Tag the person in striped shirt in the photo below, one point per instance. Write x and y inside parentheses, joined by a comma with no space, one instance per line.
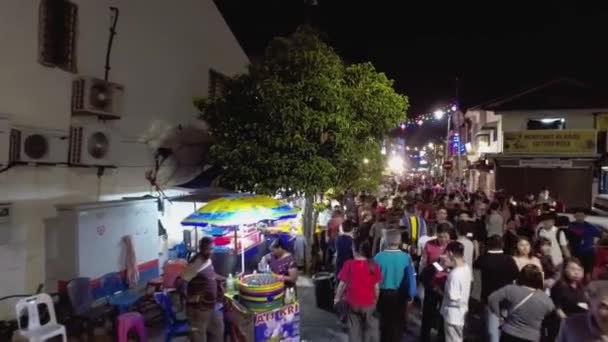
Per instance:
(416,226)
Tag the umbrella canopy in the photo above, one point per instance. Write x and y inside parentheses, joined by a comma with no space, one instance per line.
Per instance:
(241,209)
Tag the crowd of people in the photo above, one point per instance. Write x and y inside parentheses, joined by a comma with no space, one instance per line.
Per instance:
(543,276)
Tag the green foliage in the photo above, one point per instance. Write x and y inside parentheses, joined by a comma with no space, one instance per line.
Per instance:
(302,121)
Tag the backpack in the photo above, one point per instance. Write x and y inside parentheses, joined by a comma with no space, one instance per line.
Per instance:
(563,229)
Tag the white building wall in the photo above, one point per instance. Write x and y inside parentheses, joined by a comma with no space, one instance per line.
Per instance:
(162,54)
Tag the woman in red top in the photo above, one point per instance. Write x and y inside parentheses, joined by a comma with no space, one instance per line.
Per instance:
(359,284)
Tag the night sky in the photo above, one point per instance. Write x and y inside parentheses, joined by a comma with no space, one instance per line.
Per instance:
(491,48)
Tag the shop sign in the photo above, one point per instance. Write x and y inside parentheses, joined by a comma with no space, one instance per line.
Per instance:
(551,141)
(545,163)
(281,324)
(601,121)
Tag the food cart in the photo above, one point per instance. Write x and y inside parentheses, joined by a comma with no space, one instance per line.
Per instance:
(261,299)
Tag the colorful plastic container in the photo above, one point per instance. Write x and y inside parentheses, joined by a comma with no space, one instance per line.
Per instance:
(261,292)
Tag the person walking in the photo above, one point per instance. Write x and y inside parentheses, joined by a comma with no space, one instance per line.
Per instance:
(456,292)
(432,277)
(527,306)
(495,222)
(568,295)
(465,238)
(397,288)
(344,244)
(199,284)
(378,232)
(491,279)
(523,254)
(359,286)
(590,326)
(584,237)
(559,243)
(415,224)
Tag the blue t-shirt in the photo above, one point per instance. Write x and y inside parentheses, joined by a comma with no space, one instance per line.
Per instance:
(344,251)
(394,266)
(584,232)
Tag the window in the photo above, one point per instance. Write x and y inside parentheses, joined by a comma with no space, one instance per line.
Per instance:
(483,141)
(57,34)
(217,83)
(546,123)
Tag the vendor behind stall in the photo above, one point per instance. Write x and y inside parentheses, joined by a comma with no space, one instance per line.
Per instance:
(199,284)
(282,262)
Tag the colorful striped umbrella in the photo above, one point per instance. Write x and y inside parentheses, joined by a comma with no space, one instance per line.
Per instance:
(240,209)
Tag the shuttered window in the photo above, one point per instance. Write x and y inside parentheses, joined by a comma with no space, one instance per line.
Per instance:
(57,34)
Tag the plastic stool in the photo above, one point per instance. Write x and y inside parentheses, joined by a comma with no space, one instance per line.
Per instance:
(128,321)
(156,285)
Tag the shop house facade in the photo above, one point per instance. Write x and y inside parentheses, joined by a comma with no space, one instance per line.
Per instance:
(161,58)
(546,136)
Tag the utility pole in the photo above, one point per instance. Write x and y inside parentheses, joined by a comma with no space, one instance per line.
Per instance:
(458,115)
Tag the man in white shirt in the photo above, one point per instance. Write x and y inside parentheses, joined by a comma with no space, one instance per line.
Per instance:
(456,294)
(469,247)
(559,243)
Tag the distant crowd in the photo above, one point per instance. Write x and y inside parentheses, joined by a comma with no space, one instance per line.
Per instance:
(543,276)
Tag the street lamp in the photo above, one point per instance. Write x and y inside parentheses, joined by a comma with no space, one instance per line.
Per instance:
(396,164)
(439,114)
(365,161)
(431,145)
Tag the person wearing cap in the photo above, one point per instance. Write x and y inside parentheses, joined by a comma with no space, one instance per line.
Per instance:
(590,326)
(559,243)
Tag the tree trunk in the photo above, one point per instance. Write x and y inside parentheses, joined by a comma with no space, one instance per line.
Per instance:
(308,229)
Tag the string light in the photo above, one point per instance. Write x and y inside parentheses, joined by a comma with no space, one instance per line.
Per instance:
(437,115)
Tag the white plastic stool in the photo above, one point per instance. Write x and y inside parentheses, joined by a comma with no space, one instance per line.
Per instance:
(34,331)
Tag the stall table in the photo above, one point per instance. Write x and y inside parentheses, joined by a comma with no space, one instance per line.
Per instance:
(280,324)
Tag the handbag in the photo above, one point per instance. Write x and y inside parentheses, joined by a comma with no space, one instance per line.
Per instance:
(518,305)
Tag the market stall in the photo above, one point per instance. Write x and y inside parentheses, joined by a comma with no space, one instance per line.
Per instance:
(261,299)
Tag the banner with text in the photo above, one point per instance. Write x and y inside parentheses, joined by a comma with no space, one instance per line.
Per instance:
(551,141)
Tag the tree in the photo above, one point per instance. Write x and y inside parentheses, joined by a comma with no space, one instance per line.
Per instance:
(302,122)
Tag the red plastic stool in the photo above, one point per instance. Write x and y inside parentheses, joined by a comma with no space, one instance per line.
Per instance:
(155,284)
(128,321)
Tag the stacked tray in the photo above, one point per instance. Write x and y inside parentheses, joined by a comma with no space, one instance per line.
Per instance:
(261,292)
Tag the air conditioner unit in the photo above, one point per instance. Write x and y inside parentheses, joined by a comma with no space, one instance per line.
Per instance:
(92,96)
(45,146)
(91,145)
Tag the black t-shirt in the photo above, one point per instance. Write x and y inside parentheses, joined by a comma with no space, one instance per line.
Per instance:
(497,270)
(510,242)
(567,298)
(480,233)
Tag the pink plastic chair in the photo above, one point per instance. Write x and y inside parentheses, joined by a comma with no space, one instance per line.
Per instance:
(128,321)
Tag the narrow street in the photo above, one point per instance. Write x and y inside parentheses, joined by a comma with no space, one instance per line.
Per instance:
(320,325)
